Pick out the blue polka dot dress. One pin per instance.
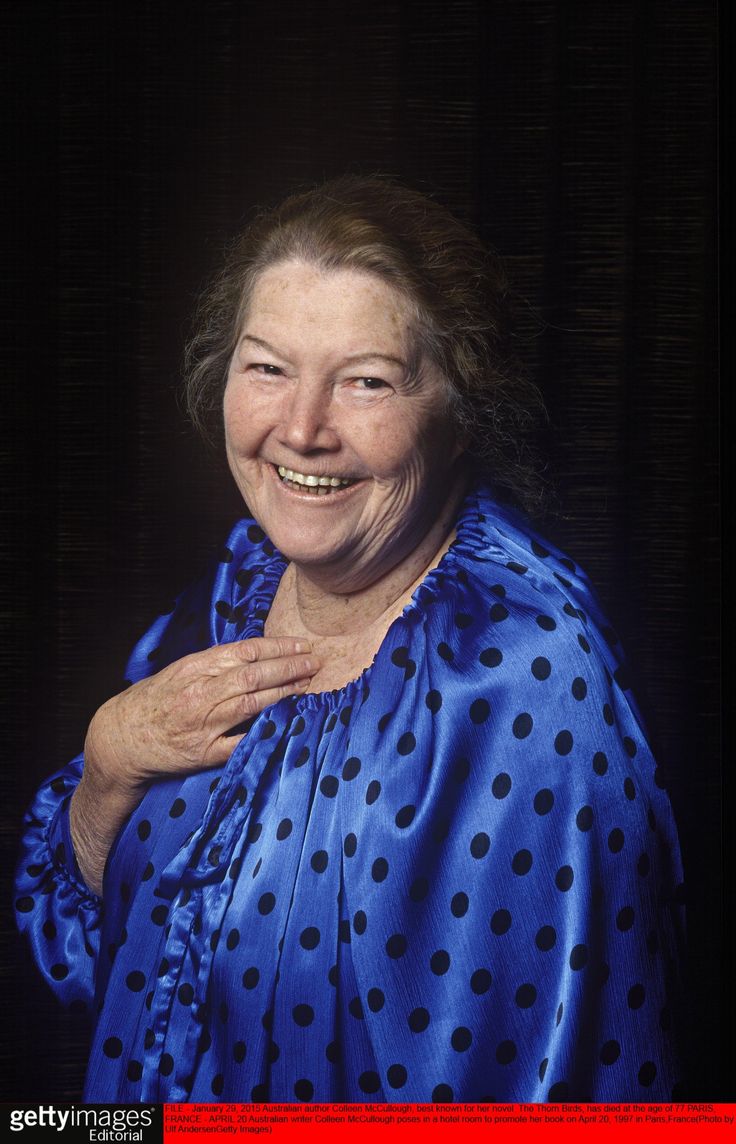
(455, 879)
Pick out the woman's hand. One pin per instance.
(175, 722)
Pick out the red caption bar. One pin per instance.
(218, 1122)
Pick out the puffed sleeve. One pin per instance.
(60, 916)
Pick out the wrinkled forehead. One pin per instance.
(293, 288)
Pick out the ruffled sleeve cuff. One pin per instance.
(57, 912)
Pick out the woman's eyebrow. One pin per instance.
(368, 355)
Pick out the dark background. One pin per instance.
(579, 137)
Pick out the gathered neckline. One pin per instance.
(271, 565)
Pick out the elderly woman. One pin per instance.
(376, 817)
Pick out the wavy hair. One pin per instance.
(457, 289)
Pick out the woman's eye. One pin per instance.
(265, 369)
(370, 383)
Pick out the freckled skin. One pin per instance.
(297, 396)
(312, 412)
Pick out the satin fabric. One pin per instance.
(456, 878)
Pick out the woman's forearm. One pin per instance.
(98, 809)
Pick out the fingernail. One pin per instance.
(302, 645)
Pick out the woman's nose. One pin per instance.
(306, 423)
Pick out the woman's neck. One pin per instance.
(346, 627)
(325, 611)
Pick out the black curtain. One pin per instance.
(579, 138)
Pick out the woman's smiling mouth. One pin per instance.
(312, 483)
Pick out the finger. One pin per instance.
(268, 673)
(249, 651)
(241, 707)
(221, 749)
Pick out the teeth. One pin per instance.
(321, 485)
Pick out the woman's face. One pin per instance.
(342, 452)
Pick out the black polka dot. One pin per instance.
(143, 829)
(442, 1094)
(521, 863)
(498, 613)
(546, 623)
(304, 1089)
(629, 746)
(112, 1047)
(329, 786)
(369, 1082)
(266, 903)
(309, 938)
(479, 845)
(616, 840)
(481, 981)
(350, 845)
(136, 981)
(579, 688)
(546, 938)
(461, 1039)
(564, 878)
(558, 1092)
(610, 1052)
(543, 1068)
(239, 1052)
(635, 996)
(501, 785)
(526, 995)
(418, 1020)
(351, 769)
(284, 828)
(396, 945)
(405, 816)
(625, 919)
(373, 791)
(433, 700)
(600, 763)
(360, 922)
(544, 800)
(445, 652)
(396, 1076)
(491, 657)
(459, 904)
(583, 643)
(59, 971)
(560, 1011)
(647, 1073)
(379, 870)
(406, 743)
(303, 1015)
(439, 962)
(506, 1052)
(522, 726)
(376, 1000)
(501, 922)
(629, 789)
(135, 1070)
(541, 668)
(579, 957)
(480, 709)
(563, 742)
(178, 807)
(584, 818)
(318, 861)
(232, 939)
(159, 915)
(185, 993)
